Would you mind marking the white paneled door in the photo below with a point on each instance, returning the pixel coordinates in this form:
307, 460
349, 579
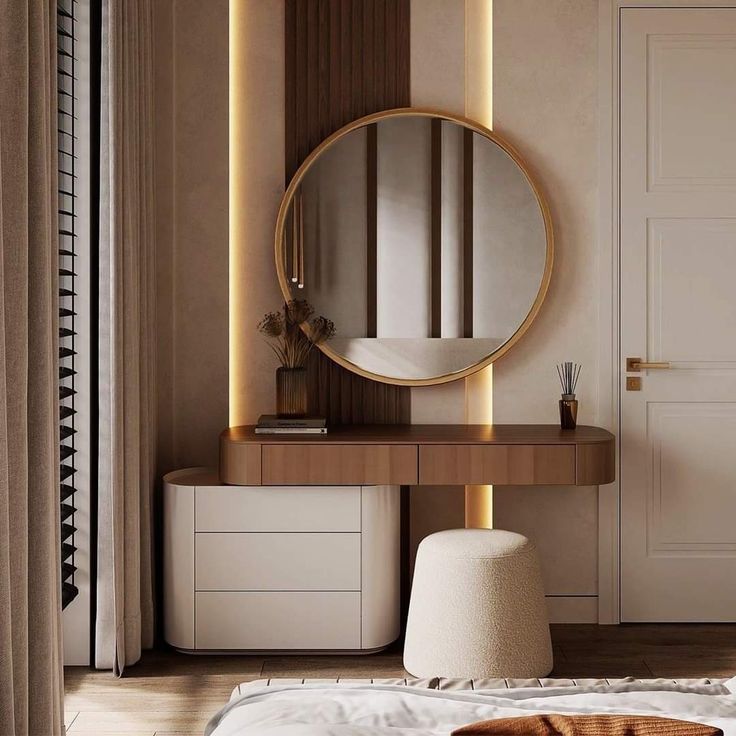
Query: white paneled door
678, 306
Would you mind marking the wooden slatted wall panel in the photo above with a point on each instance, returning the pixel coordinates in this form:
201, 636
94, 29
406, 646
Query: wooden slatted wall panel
344, 59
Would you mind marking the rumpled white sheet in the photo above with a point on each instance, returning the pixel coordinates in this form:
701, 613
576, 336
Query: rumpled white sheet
380, 710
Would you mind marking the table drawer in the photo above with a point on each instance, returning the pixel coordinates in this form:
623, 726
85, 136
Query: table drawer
497, 464
277, 509
301, 561
275, 621
339, 464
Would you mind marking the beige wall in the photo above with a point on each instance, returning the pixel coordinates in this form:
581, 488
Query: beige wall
545, 102
191, 58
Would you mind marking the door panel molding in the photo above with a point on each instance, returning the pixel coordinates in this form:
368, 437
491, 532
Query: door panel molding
669, 61
675, 429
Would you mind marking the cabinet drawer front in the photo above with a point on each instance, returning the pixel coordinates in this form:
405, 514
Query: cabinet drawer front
338, 464
277, 509
499, 464
278, 621
282, 561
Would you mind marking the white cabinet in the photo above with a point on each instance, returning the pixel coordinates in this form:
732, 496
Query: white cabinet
281, 568
280, 561
278, 621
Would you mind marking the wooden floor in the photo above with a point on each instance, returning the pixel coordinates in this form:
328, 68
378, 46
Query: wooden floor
171, 694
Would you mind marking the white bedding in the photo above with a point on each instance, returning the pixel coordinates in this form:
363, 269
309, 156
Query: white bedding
378, 710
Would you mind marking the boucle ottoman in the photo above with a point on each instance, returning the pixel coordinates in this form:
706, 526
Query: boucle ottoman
477, 608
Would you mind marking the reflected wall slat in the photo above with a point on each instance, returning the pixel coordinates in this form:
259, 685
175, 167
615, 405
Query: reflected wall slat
435, 256
467, 233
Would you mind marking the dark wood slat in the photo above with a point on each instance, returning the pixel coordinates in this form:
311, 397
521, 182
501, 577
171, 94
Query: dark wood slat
468, 233
403, 95
435, 255
380, 71
369, 55
324, 388
346, 396
313, 392
371, 265
314, 136
391, 53
404, 406
333, 380
345, 62
290, 95
323, 86
338, 67
380, 400
300, 82
356, 37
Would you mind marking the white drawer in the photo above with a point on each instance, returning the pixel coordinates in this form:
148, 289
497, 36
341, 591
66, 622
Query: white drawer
277, 509
282, 561
275, 621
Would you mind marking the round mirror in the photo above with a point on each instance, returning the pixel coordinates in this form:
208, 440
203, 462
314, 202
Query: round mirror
423, 237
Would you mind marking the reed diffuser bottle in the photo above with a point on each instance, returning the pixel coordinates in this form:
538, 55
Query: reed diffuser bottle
569, 373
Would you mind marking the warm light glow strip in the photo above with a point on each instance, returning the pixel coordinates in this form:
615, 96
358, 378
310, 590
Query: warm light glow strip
479, 106
236, 224
479, 61
479, 410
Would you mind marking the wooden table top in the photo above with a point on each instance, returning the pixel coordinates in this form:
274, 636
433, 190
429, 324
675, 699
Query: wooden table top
428, 434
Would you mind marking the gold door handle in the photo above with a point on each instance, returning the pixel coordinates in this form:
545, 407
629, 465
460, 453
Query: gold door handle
634, 365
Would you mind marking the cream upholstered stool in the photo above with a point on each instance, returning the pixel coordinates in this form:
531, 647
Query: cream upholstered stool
477, 607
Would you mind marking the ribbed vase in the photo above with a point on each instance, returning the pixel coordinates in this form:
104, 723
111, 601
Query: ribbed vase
568, 413
291, 392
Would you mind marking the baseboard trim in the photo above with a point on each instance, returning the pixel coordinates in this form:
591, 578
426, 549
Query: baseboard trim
281, 652
572, 609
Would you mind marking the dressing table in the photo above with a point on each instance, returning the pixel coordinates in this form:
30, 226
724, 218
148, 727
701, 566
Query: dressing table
421, 454
425, 238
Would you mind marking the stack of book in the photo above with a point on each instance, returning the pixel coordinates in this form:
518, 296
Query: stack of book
271, 424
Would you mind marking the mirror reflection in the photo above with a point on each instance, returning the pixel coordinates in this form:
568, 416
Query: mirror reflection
423, 240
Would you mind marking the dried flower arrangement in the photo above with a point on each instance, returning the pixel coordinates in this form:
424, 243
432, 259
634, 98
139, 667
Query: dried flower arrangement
294, 331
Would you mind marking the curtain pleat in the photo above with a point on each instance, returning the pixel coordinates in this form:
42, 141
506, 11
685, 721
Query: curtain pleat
30, 581
125, 621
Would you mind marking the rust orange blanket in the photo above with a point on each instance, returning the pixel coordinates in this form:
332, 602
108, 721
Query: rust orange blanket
592, 725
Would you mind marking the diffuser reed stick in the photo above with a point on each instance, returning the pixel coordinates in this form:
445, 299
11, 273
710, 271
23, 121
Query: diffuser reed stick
569, 373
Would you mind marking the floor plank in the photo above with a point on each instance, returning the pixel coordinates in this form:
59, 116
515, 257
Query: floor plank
137, 722
172, 694
377, 665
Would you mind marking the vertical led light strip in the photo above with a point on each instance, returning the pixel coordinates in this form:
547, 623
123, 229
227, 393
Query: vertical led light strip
479, 106
235, 217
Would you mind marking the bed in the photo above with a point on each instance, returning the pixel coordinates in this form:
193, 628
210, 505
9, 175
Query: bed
281, 707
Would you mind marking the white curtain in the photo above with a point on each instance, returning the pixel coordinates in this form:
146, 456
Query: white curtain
125, 615
30, 569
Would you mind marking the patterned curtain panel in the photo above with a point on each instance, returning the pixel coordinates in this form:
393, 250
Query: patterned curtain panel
124, 623
30, 601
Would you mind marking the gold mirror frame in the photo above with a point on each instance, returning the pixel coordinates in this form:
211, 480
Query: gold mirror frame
466, 123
